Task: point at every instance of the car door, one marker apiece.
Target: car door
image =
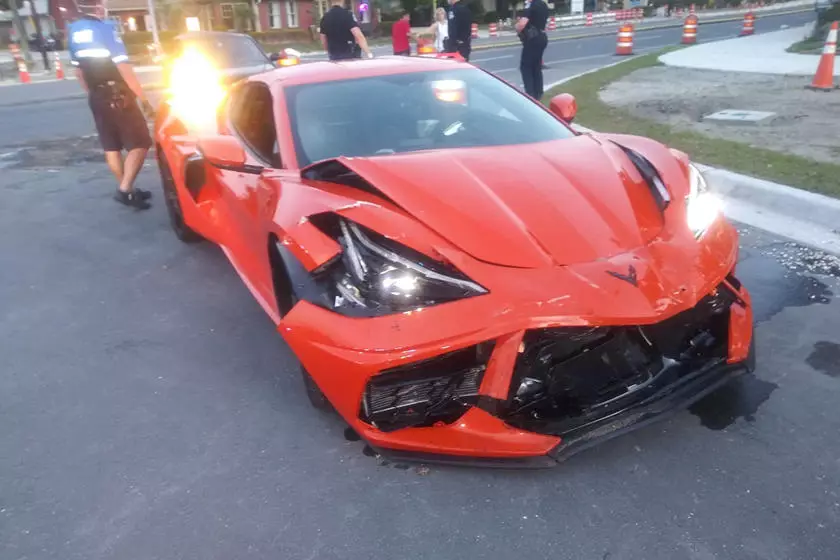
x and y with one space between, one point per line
251 120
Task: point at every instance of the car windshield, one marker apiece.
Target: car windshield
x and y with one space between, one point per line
398 113
229 51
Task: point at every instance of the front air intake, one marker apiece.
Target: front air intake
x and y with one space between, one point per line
440 389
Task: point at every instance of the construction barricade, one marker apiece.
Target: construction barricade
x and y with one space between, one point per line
624 45
690 30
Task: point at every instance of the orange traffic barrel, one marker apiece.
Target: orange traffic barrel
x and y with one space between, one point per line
625 40
690 30
749 24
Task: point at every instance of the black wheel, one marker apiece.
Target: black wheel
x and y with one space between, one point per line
313 393
173 206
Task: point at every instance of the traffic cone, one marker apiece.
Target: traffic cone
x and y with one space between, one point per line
624 46
474 31
589 19
690 30
824 78
494 30
23 73
749 24
59 71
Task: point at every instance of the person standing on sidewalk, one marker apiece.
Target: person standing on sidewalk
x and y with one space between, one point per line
400 34
340 33
531 30
460 29
102 68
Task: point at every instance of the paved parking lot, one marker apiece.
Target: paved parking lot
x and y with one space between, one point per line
149 411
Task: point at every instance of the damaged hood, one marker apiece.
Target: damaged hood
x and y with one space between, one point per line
528 206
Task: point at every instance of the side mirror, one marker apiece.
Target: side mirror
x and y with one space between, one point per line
564 106
222 151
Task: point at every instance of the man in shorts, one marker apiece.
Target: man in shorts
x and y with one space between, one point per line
102 68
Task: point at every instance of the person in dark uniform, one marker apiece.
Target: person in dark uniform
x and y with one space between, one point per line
102 68
340 34
460 29
531 29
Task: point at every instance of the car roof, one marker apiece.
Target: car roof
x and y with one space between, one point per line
328 71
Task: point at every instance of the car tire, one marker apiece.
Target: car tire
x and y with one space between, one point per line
173 205
313 393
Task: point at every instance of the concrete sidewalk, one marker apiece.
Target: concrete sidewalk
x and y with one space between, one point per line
762 54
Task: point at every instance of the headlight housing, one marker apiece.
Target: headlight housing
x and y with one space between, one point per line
702 207
376 276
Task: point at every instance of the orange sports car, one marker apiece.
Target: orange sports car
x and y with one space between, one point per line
462 275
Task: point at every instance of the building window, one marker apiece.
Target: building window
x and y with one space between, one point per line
227 11
275 15
291 13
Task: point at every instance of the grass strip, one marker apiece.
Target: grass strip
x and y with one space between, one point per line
783 168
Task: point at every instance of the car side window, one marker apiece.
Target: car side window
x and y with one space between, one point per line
252 118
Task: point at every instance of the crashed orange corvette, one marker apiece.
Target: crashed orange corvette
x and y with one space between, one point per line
462 276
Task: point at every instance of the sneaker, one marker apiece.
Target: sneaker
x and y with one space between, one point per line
132 199
143 194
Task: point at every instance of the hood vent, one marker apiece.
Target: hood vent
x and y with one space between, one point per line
333 171
651 176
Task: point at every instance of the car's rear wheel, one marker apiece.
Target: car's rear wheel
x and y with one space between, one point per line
173 205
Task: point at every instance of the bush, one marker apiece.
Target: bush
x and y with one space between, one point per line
491 17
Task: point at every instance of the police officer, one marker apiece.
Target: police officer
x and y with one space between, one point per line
340 33
531 29
460 29
103 70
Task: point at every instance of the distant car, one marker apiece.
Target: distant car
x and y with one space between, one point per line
234 55
462 276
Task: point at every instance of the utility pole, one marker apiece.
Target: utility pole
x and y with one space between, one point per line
153 17
43 42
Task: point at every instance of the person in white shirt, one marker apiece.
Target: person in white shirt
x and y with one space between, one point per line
439 29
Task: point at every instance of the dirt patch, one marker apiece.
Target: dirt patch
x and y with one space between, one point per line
807 122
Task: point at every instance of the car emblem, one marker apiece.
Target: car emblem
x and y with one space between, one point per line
630 277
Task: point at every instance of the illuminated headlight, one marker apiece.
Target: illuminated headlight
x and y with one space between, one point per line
702 207
376 276
195 90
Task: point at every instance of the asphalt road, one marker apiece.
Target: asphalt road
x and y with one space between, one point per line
49 111
150 411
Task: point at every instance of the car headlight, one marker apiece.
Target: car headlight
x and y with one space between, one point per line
375 276
195 90
702 207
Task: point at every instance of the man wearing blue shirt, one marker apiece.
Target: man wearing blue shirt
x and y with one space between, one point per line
101 62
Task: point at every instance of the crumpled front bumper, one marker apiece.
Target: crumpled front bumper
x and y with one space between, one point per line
345 355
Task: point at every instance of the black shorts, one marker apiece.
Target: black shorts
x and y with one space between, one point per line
119 128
